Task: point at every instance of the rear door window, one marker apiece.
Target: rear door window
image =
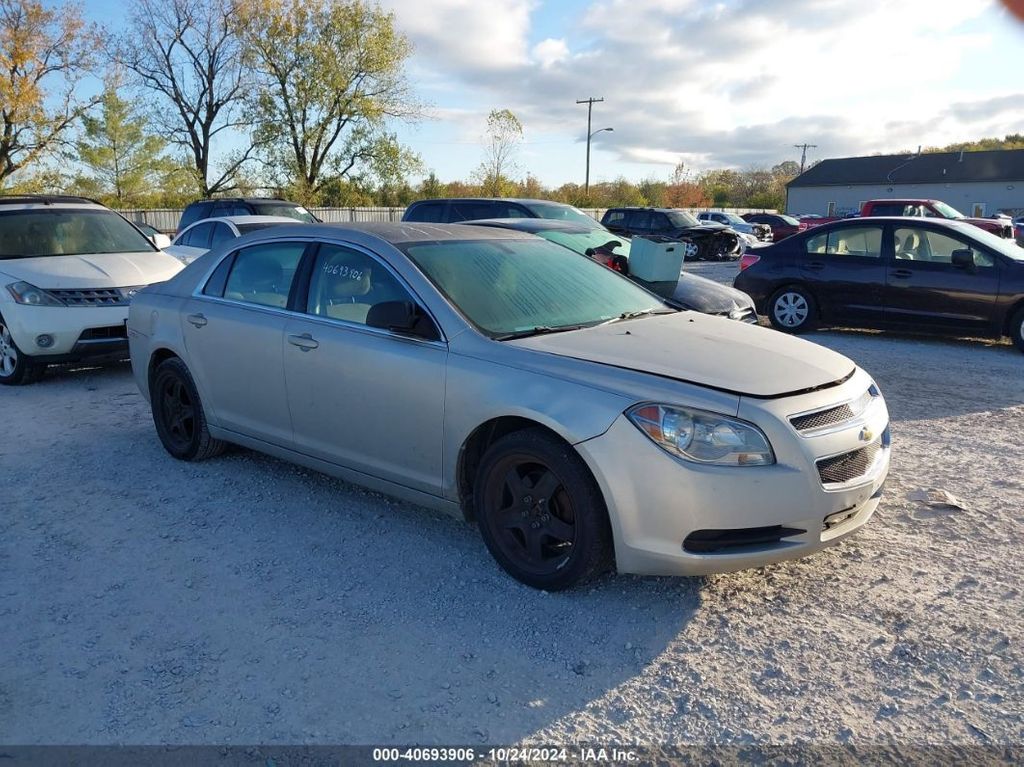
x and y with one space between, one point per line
639 220
221 233
263 274
198 236
855 242
427 212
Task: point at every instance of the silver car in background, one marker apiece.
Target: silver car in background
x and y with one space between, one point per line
579 420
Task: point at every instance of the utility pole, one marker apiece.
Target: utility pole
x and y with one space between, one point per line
590 108
803 155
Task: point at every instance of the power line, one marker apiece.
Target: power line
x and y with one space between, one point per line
803 155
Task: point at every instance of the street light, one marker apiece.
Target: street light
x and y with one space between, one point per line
586 186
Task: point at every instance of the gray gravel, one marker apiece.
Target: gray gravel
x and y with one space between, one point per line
244 600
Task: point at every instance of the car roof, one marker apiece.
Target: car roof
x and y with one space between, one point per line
244 199
236 220
520 200
531 224
395 233
47 199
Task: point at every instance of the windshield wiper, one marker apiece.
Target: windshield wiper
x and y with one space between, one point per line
539 330
635 315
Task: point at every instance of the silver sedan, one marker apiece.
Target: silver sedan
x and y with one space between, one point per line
576 418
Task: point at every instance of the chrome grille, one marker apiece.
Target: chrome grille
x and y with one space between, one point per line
92 297
848 466
96 296
830 416
822 418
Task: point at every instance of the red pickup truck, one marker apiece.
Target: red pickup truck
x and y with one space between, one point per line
932 209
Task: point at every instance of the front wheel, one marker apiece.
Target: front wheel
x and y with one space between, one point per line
16 368
792 310
541 513
178 414
1017 329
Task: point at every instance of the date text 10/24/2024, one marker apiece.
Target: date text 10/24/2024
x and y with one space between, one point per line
617 755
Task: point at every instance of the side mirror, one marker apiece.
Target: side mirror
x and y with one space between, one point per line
402 317
160 240
963 259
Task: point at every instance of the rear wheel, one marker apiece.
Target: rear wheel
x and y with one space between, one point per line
1017 329
540 512
178 414
792 309
15 367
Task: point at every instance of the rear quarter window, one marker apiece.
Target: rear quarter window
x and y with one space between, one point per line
426 212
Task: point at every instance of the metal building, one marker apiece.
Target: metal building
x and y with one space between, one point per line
975 183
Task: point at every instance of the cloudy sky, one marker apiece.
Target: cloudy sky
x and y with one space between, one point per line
730 83
733 83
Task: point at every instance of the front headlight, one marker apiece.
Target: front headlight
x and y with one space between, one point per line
30 295
703 437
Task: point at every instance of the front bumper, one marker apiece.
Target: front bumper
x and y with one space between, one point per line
78 333
656 502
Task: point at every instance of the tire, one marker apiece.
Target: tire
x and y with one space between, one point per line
178 414
792 310
552 541
1017 329
16 368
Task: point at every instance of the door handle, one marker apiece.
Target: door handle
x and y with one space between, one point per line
197 319
901 273
306 342
814 266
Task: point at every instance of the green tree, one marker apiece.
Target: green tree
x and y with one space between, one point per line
503 137
123 161
44 54
330 74
188 54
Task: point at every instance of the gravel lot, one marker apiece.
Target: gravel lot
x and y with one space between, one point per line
244 600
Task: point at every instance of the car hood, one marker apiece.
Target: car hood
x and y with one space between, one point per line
700 294
102 270
710 351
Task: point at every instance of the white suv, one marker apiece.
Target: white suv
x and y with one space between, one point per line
68 269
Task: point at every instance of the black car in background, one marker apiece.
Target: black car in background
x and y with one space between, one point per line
688 292
708 241
912 273
457 210
243 206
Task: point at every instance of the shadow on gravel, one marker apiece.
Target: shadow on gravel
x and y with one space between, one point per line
246 600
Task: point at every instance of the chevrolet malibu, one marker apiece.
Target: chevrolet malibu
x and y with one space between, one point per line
580 421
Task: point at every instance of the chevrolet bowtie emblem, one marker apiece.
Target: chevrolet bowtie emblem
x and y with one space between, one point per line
866 435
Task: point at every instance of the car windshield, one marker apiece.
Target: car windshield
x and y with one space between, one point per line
1008 248
790 220
681 218
284 209
947 211
67 232
562 213
732 218
595 239
505 287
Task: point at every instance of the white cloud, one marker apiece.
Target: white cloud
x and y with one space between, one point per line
550 51
466 34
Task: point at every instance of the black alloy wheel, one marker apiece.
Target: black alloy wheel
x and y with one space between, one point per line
540 512
178 414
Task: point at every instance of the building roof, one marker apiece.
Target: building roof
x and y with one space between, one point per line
1001 165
